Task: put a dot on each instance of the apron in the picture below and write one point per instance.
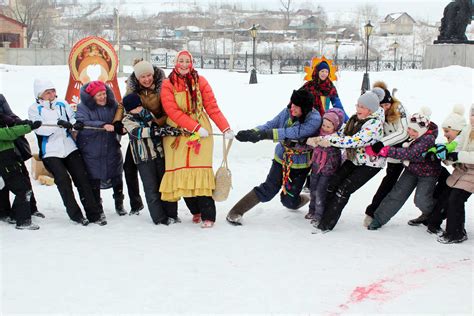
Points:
(188, 174)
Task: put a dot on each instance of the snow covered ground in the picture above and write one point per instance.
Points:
(272, 264)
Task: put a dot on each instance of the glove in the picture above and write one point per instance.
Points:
(65, 124)
(377, 147)
(35, 124)
(245, 135)
(229, 134)
(370, 151)
(452, 156)
(324, 143)
(203, 132)
(118, 128)
(441, 151)
(384, 151)
(430, 156)
(313, 141)
(78, 126)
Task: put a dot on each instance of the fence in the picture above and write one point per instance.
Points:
(275, 64)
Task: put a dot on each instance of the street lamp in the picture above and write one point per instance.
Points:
(395, 45)
(253, 72)
(337, 48)
(366, 82)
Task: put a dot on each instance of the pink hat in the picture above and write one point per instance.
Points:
(95, 87)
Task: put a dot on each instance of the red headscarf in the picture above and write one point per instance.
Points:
(191, 79)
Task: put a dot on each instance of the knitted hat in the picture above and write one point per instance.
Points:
(371, 99)
(95, 87)
(420, 121)
(142, 68)
(335, 116)
(303, 99)
(455, 119)
(41, 85)
(131, 101)
(187, 53)
(387, 98)
(322, 65)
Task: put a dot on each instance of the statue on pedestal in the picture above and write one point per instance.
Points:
(456, 17)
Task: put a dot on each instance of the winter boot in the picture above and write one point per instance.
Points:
(367, 220)
(102, 221)
(38, 214)
(119, 204)
(422, 219)
(197, 218)
(207, 224)
(449, 239)
(246, 203)
(27, 225)
(304, 200)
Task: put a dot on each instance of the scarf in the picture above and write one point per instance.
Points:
(191, 80)
(320, 154)
(352, 127)
(318, 89)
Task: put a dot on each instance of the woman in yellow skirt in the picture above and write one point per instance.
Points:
(188, 101)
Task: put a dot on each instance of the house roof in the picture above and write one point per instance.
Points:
(392, 17)
(12, 20)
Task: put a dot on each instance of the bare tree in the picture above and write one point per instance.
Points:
(286, 4)
(367, 12)
(32, 13)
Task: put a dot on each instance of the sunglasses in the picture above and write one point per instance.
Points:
(420, 123)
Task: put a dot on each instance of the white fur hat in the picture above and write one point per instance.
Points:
(455, 119)
(143, 67)
(41, 85)
(420, 121)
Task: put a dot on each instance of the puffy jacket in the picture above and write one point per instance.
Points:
(291, 135)
(54, 141)
(463, 174)
(395, 133)
(100, 149)
(370, 133)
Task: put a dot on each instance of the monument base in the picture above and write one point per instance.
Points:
(444, 55)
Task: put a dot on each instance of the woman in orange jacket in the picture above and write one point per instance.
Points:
(189, 102)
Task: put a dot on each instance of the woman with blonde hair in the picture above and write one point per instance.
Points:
(395, 133)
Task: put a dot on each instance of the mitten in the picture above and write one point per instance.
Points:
(229, 134)
(119, 128)
(377, 147)
(203, 132)
(430, 156)
(324, 143)
(452, 156)
(245, 135)
(78, 126)
(264, 134)
(36, 124)
(441, 151)
(370, 151)
(65, 124)
(384, 151)
(313, 141)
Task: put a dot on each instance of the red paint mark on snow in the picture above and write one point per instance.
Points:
(386, 289)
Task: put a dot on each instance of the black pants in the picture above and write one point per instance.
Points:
(5, 208)
(456, 213)
(72, 166)
(151, 173)
(205, 205)
(19, 184)
(274, 181)
(394, 170)
(117, 187)
(131, 179)
(347, 180)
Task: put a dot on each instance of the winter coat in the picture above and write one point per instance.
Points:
(411, 154)
(143, 147)
(463, 174)
(333, 160)
(8, 157)
(395, 133)
(332, 98)
(5, 108)
(189, 169)
(100, 149)
(370, 133)
(291, 134)
(150, 97)
(53, 141)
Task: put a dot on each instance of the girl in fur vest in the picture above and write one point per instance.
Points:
(363, 128)
(418, 174)
(462, 184)
(394, 133)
